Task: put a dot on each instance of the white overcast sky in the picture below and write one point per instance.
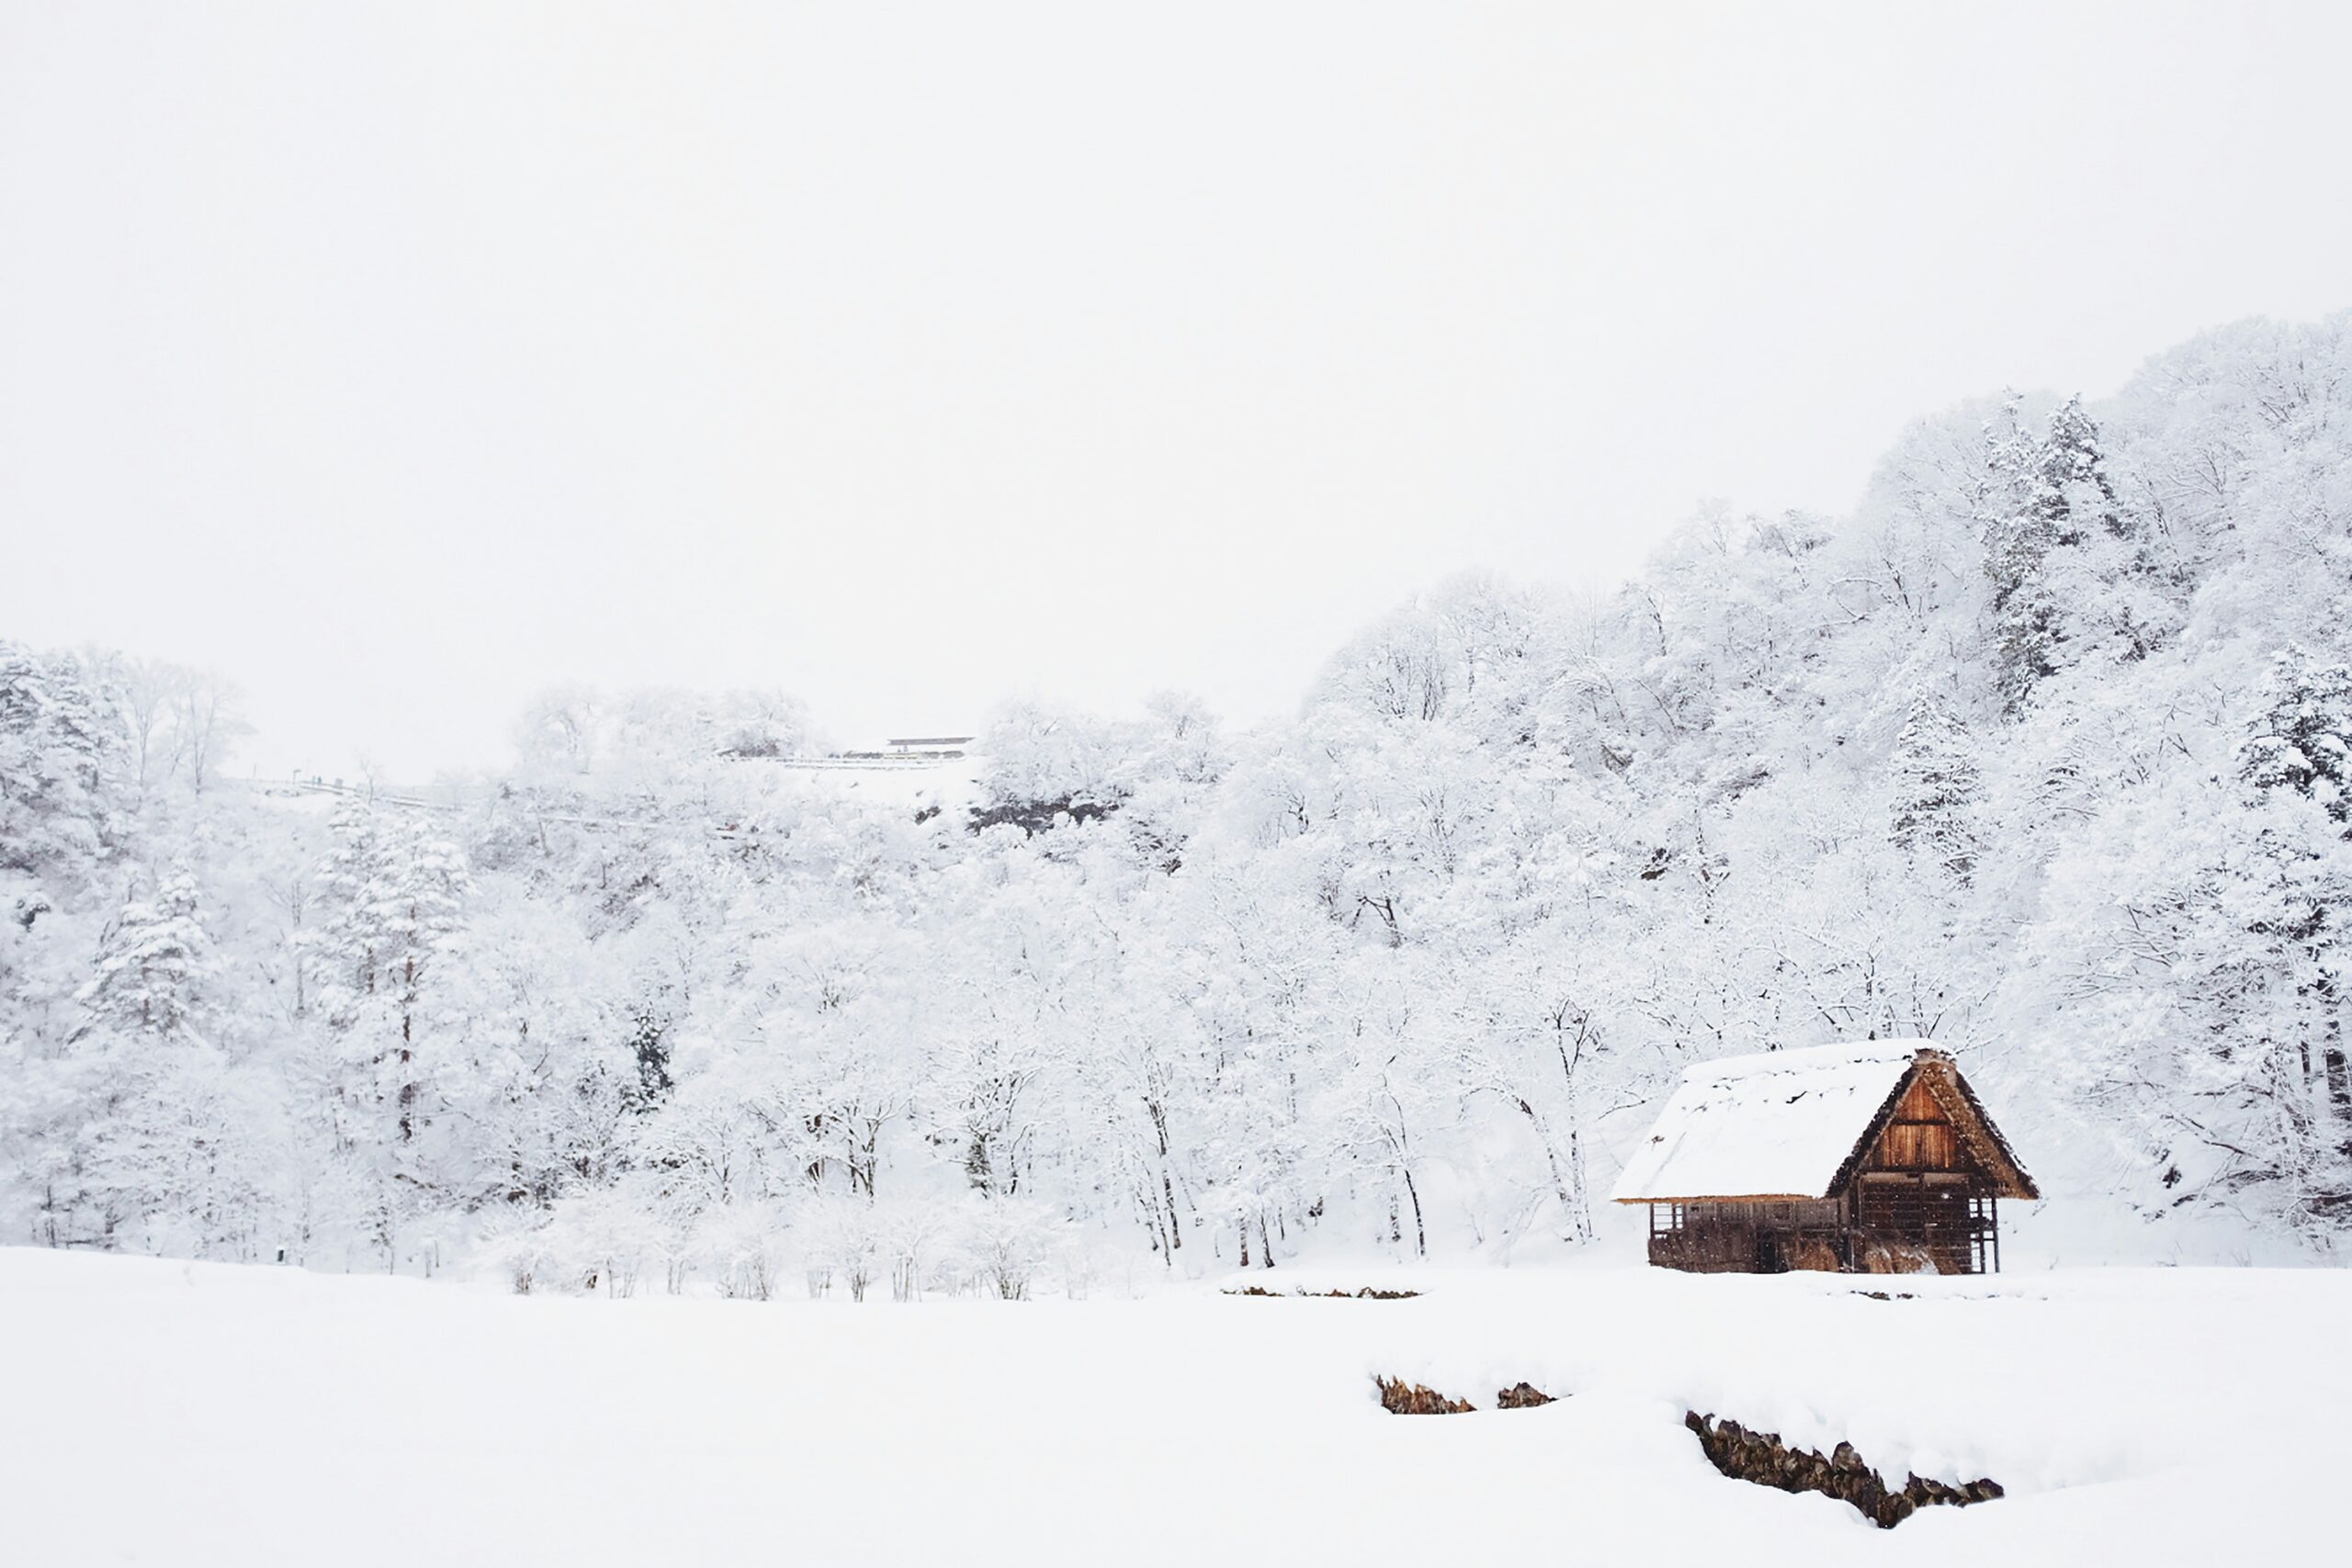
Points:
(396, 360)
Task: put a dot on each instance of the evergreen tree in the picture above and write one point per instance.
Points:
(2302, 742)
(151, 1145)
(2073, 494)
(2302, 739)
(394, 895)
(59, 740)
(343, 943)
(2021, 528)
(416, 903)
(2053, 498)
(1935, 785)
(152, 967)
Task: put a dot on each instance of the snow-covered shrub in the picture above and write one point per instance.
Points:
(1007, 1242)
(740, 1246)
(838, 1239)
(907, 1233)
(513, 1246)
(600, 1241)
(1092, 1259)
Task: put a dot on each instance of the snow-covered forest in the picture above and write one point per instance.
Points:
(2041, 752)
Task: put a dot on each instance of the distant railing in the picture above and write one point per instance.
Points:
(319, 784)
(446, 797)
(460, 797)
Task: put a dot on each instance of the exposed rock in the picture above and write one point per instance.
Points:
(1401, 1398)
(1521, 1396)
(1036, 817)
(1762, 1458)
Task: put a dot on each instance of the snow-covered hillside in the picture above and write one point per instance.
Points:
(2039, 753)
(204, 1414)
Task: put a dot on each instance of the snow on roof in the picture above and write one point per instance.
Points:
(1774, 1125)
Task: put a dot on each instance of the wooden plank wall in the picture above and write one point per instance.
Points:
(1920, 1137)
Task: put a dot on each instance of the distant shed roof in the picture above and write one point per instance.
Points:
(1779, 1126)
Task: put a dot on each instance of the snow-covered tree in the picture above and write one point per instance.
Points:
(59, 742)
(1933, 775)
(152, 967)
(2302, 739)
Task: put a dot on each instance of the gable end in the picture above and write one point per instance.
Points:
(1934, 1073)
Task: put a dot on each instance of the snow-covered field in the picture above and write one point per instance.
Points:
(198, 1413)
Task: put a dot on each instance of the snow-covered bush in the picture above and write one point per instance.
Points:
(739, 1248)
(599, 1241)
(839, 1241)
(912, 1232)
(1006, 1243)
(513, 1247)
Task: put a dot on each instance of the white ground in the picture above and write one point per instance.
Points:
(188, 1414)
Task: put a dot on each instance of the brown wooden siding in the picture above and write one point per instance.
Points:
(1917, 1145)
(1920, 1137)
(1760, 1237)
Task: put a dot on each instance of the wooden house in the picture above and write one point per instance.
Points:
(1873, 1158)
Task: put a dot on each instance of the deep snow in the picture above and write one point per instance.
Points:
(197, 1413)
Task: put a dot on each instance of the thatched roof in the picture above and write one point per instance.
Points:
(1796, 1124)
